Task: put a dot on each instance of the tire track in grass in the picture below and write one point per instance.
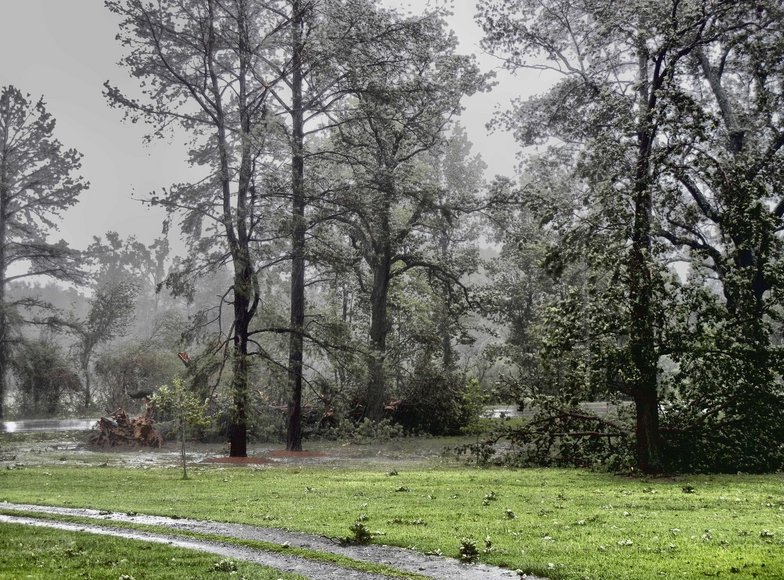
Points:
(436, 567)
(302, 566)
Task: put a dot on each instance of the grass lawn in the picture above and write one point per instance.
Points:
(41, 553)
(564, 524)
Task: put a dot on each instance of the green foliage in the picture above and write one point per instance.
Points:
(178, 402)
(265, 423)
(360, 534)
(723, 403)
(188, 411)
(45, 379)
(366, 431)
(437, 402)
(469, 553)
(130, 372)
(228, 566)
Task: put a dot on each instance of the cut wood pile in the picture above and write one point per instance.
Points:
(119, 429)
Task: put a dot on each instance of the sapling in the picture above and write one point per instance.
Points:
(187, 410)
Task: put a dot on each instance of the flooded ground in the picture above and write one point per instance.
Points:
(46, 425)
(39, 448)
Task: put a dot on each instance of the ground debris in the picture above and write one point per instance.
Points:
(119, 429)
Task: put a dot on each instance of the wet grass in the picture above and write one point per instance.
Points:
(41, 553)
(283, 549)
(565, 524)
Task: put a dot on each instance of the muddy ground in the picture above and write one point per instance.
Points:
(69, 448)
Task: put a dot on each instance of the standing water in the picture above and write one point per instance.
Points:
(30, 425)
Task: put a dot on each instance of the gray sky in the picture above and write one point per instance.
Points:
(65, 50)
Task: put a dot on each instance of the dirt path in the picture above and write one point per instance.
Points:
(435, 567)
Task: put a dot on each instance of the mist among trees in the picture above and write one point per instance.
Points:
(346, 263)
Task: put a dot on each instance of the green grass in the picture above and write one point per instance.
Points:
(567, 524)
(323, 557)
(42, 553)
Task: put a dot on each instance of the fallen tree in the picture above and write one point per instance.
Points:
(119, 429)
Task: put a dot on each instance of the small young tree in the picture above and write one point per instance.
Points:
(187, 410)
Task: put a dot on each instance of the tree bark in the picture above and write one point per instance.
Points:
(238, 231)
(238, 429)
(297, 321)
(376, 388)
(88, 395)
(642, 347)
(447, 352)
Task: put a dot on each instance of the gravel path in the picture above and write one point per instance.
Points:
(436, 567)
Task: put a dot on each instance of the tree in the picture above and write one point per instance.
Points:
(44, 378)
(131, 260)
(455, 229)
(298, 227)
(311, 64)
(722, 213)
(131, 371)
(111, 312)
(187, 409)
(611, 110)
(37, 184)
(203, 66)
(405, 89)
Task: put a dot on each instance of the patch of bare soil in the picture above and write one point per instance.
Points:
(295, 454)
(274, 456)
(237, 460)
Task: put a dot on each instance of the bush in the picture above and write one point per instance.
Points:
(435, 402)
(366, 431)
(744, 437)
(131, 372)
(44, 379)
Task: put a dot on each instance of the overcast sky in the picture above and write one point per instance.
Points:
(65, 50)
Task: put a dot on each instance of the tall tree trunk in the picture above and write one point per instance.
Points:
(297, 322)
(641, 340)
(238, 231)
(376, 388)
(88, 395)
(642, 347)
(243, 288)
(447, 352)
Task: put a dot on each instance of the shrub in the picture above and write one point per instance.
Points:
(366, 431)
(130, 372)
(44, 379)
(469, 553)
(435, 402)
